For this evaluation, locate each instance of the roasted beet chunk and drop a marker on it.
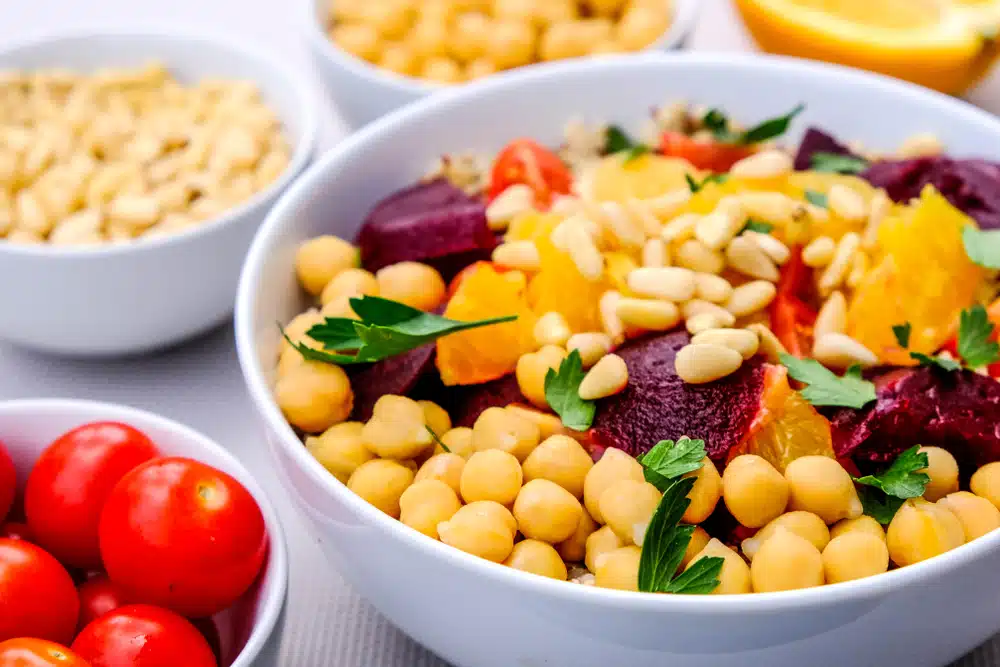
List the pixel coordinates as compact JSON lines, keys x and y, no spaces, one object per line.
{"x":432,"y":222}
{"x":817,"y":141}
{"x":959,"y":411}
{"x":657,"y":405}
{"x":393,"y":375}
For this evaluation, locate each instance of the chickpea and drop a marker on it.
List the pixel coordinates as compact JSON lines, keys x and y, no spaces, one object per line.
{"x":627,"y":506}
{"x":441,"y":69}
{"x":555,"y":11}
{"x":516,"y":10}
{"x":417,"y":285}
{"x":458,"y":441}
{"x":511,"y":44}
{"x":492,"y":474}
{"x":804,"y":524}
{"x":349,"y":283}
{"x":854,"y":555}
{"x":359,"y":39}
{"x":390,"y":19}
{"x":922,"y":530}
{"x":497,"y":428}
{"x":699,"y":540}
{"x":619,"y":569}
{"x":548,"y":424}
{"x":734,"y":578}
{"x":985,"y":483}
{"x":705,"y":493}
{"x":786,"y":562}
{"x":977,"y":515}
{"x":537,"y":558}
{"x":340,"y":449}
{"x":399,"y":58}
{"x":470,"y":37}
{"x":545,"y":511}
{"x":820,"y":485}
{"x":599,"y":544}
{"x":862,"y":524}
{"x":318,"y":260}
{"x":640,"y":26}
{"x":485,"y":529}
{"x":381,"y":482}
{"x":564,"y":40}
{"x":397,"y":429}
{"x":531,"y":370}
{"x":445,"y":467}
{"x":479,"y":68}
{"x":428,"y":38}
{"x":574,"y":548}
{"x":435,"y":417}
{"x":314,"y":396}
{"x":562,"y":460}
{"x":942,"y":468}
{"x":613,"y":466}
{"x":754,"y":491}
{"x":427,"y":503}
{"x":609,"y":8}
{"x":296,"y":331}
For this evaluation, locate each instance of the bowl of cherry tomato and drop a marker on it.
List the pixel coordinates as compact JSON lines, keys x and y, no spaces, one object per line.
{"x":120,"y":529}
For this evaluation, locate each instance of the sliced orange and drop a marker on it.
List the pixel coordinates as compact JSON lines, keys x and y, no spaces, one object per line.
{"x":644,"y":177}
{"x":559,"y":286}
{"x":530,"y":225}
{"x":480,"y":355}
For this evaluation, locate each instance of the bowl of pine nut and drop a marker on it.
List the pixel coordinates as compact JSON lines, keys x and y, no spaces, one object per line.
{"x":134,"y":170}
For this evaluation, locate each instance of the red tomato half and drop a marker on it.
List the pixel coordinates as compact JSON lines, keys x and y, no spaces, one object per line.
{"x":15,"y":530}
{"x":37,"y":596}
{"x":67,"y":487}
{"x":8,"y":482}
{"x":711,"y":155}
{"x":143,"y":636}
{"x":24,"y":652}
{"x":98,"y":596}
{"x":525,"y":161}
{"x":182,"y":535}
{"x":792,"y":318}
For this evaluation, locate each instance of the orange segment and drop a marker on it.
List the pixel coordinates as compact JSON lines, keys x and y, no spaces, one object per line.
{"x":487,"y":353}
{"x":800,"y":182}
{"x":560,"y":287}
{"x":644,"y":177}
{"x":531,"y":225}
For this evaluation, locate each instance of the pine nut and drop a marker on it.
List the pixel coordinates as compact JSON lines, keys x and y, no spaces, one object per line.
{"x":832,"y":317}
{"x":669,"y":204}
{"x":608,"y":309}
{"x":817,"y":214}
{"x":680,"y":228}
{"x":655,"y":254}
{"x":134,"y":210}
{"x":707,"y":321}
{"x":31,"y":216}
{"x":773,"y":207}
{"x":777,"y":251}
{"x":591,"y":346}
{"x":770,"y":346}
{"x":765,"y":164}
{"x":512,"y":202}
{"x":648,"y":314}
{"x":695,"y":255}
{"x":859,"y":269}
{"x":608,"y":377}
{"x":566,"y":206}
{"x":522,"y":255}
{"x":751,"y":297}
{"x":584,"y":253}
{"x":743,"y":341}
{"x":618,"y":221}
{"x":83,"y":227}
{"x":819,"y":252}
{"x":745,"y":256}
{"x":719,"y":227}
{"x":837,"y":350}
{"x":643,"y":216}
{"x":836,"y":271}
{"x":702,"y":362}
{"x":670,"y":283}
{"x":561,"y":234}
{"x":880,"y":207}
{"x":696,"y":307}
{"x":846,"y":204}
{"x":711,"y":287}
{"x":924,"y":144}
{"x":551,"y":329}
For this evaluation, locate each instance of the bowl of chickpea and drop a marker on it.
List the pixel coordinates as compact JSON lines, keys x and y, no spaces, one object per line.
{"x":376,"y":56}
{"x":136,"y":168}
{"x":526,"y":533}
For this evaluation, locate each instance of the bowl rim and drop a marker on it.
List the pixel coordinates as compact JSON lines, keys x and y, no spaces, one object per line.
{"x":260,"y":58}
{"x":683,"y":23}
{"x":271,"y":606}
{"x":353,"y":146}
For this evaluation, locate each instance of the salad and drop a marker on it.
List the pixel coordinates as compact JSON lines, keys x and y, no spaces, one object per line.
{"x":699,"y":360}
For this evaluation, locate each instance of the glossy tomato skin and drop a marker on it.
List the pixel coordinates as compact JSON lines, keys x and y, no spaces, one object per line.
{"x":143,"y":636}
{"x":98,"y":596}
{"x":8,"y":482}
{"x":792,"y":318}
{"x":67,"y":487}
{"x":711,"y":155}
{"x":528,"y":162}
{"x":183,"y":535}
{"x":26,"y":652}
{"x":15,"y":530}
{"x":37,"y":595}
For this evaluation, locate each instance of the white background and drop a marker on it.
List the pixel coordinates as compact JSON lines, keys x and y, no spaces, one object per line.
{"x":200,"y":384}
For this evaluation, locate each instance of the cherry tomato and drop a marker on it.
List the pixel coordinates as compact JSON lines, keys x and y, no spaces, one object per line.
{"x":8,"y":482}
{"x":525,"y":161}
{"x":711,"y":155}
{"x":15,"y":530}
{"x":792,"y":318}
{"x":37,"y":596}
{"x":67,"y":487}
{"x":206,"y":626}
{"x":141,"y":635}
{"x":25,"y":652}
{"x":182,"y":535}
{"x":98,"y":596}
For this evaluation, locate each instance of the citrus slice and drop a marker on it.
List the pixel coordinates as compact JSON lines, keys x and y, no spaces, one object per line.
{"x":559,"y":286}
{"x":616,"y":178}
{"x":942,"y":44}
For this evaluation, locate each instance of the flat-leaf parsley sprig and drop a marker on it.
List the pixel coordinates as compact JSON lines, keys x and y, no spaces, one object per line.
{"x":562,"y":392}
{"x":826,"y":388}
{"x":975,"y":344}
{"x":882,"y":495}
{"x":667,"y":460}
{"x":718,"y":124}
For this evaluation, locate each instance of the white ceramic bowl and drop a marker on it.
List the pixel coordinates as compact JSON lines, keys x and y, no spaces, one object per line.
{"x":364,"y":92}
{"x":478,"y":614}
{"x":151,"y":293}
{"x":28,"y":426}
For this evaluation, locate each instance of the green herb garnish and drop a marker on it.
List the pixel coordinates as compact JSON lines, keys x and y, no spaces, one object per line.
{"x":757,"y":226}
{"x":834,"y":163}
{"x":437,"y":439}
{"x":982,"y":247}
{"x":562,"y":391}
{"x":934,"y":361}
{"x":616,"y":140}
{"x":826,"y":388}
{"x":695,"y":186}
{"x":667,"y":461}
{"x":817,"y":199}
{"x":717,"y":122}
{"x":879,"y":506}
{"x":902,"y":334}
{"x":887,"y":490}
{"x":975,"y":344}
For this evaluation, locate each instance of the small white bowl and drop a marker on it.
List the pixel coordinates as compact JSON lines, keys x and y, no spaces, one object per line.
{"x":150,"y":293}
{"x":28,"y":426}
{"x":364,"y":92}
{"x":473,"y":612}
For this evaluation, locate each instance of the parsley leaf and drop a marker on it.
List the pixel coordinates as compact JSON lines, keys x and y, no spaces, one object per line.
{"x":617,"y":140}
{"x":934,"y":361}
{"x":982,"y":247}
{"x":699,"y":579}
{"x":666,"y":461}
{"x":817,"y":199}
{"x":562,"y":391}
{"x":437,"y":439}
{"x":757,"y":226}
{"x":902,"y":334}
{"x":879,"y":506}
{"x":975,"y":344}
{"x":902,"y":479}
{"x":834,"y":163}
{"x":695,"y":186}
{"x":718,"y":124}
{"x":634,"y":152}
{"x":826,"y":388}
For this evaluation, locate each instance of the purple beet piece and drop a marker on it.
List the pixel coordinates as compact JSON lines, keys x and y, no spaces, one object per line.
{"x":959,"y":411}
{"x":465,"y":403}
{"x":418,"y":198}
{"x":657,"y":405}
{"x":393,"y":375}
{"x":817,"y":141}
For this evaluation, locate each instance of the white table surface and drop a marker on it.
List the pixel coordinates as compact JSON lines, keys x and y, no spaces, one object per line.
{"x":328,"y":625}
